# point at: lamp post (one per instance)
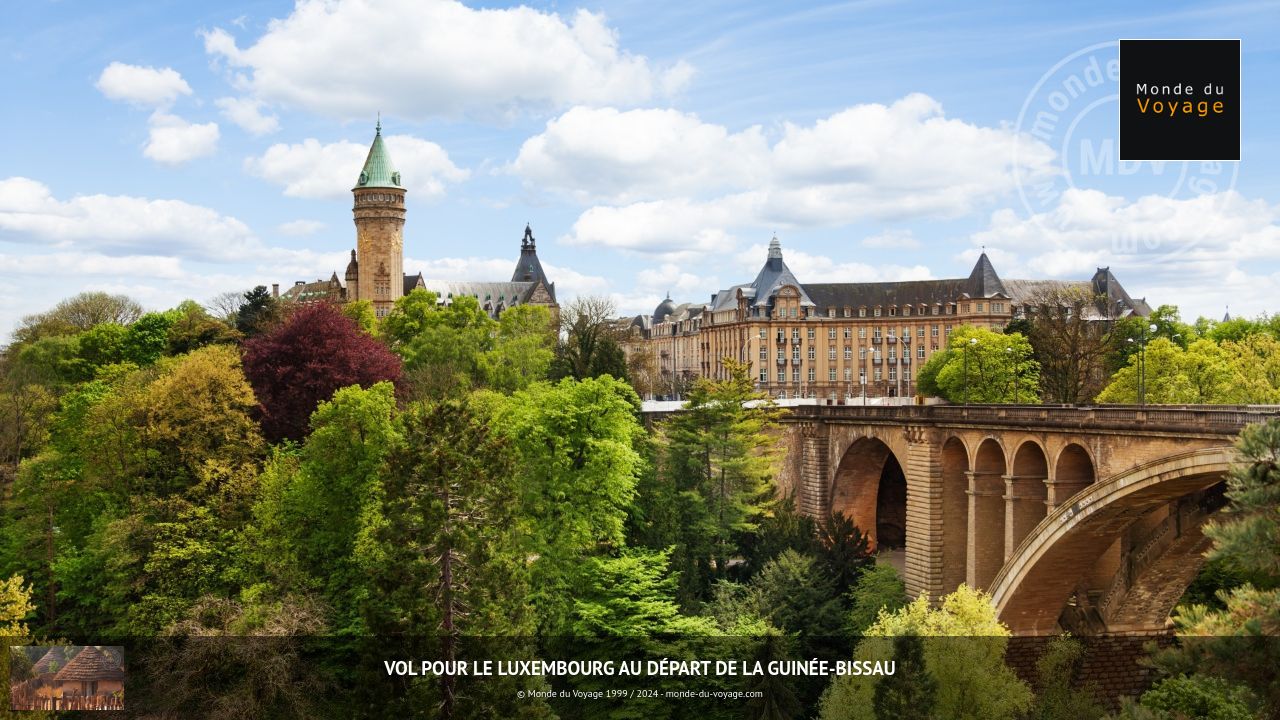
(1013, 374)
(972, 342)
(1142, 362)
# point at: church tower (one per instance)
(378, 265)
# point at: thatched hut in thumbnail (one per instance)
(46, 668)
(91, 672)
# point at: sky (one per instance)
(172, 150)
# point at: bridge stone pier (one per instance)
(1078, 518)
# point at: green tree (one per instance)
(147, 338)
(361, 311)
(910, 691)
(78, 313)
(631, 595)
(193, 327)
(964, 646)
(311, 513)
(257, 312)
(982, 366)
(442, 542)
(1071, 339)
(843, 550)
(1237, 643)
(720, 458)
(878, 589)
(590, 347)
(442, 345)
(1166, 377)
(796, 595)
(1196, 698)
(101, 345)
(1055, 698)
(522, 349)
(15, 606)
(575, 476)
(1255, 367)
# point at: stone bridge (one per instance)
(1079, 518)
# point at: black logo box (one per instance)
(1160, 77)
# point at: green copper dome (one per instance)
(378, 171)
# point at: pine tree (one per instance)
(720, 458)
(910, 691)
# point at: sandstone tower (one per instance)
(376, 270)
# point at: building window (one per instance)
(920, 351)
(933, 331)
(875, 334)
(812, 375)
(831, 312)
(862, 353)
(948, 332)
(831, 333)
(893, 374)
(893, 311)
(848, 373)
(813, 352)
(795, 334)
(862, 376)
(878, 376)
(862, 333)
(877, 312)
(934, 348)
(920, 331)
(764, 375)
(795, 353)
(979, 307)
(764, 334)
(782, 376)
(831, 375)
(764, 353)
(811, 333)
(862, 312)
(997, 307)
(848, 353)
(848, 333)
(831, 353)
(906, 310)
(795, 375)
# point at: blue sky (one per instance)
(170, 150)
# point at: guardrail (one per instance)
(1210, 418)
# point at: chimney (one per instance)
(296, 283)
(275, 289)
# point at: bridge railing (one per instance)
(1211, 418)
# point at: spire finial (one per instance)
(378, 128)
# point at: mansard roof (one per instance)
(885, 294)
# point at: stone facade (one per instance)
(834, 340)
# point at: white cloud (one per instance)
(665, 179)
(95, 264)
(248, 114)
(674, 279)
(142, 85)
(347, 58)
(300, 227)
(313, 170)
(1187, 251)
(174, 141)
(892, 240)
(118, 224)
(619, 157)
(672, 230)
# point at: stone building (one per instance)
(376, 270)
(835, 340)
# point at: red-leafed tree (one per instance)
(300, 363)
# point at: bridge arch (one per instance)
(1033, 587)
(870, 488)
(955, 512)
(1027, 493)
(986, 512)
(1073, 470)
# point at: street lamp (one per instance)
(1142, 362)
(972, 342)
(1013, 375)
